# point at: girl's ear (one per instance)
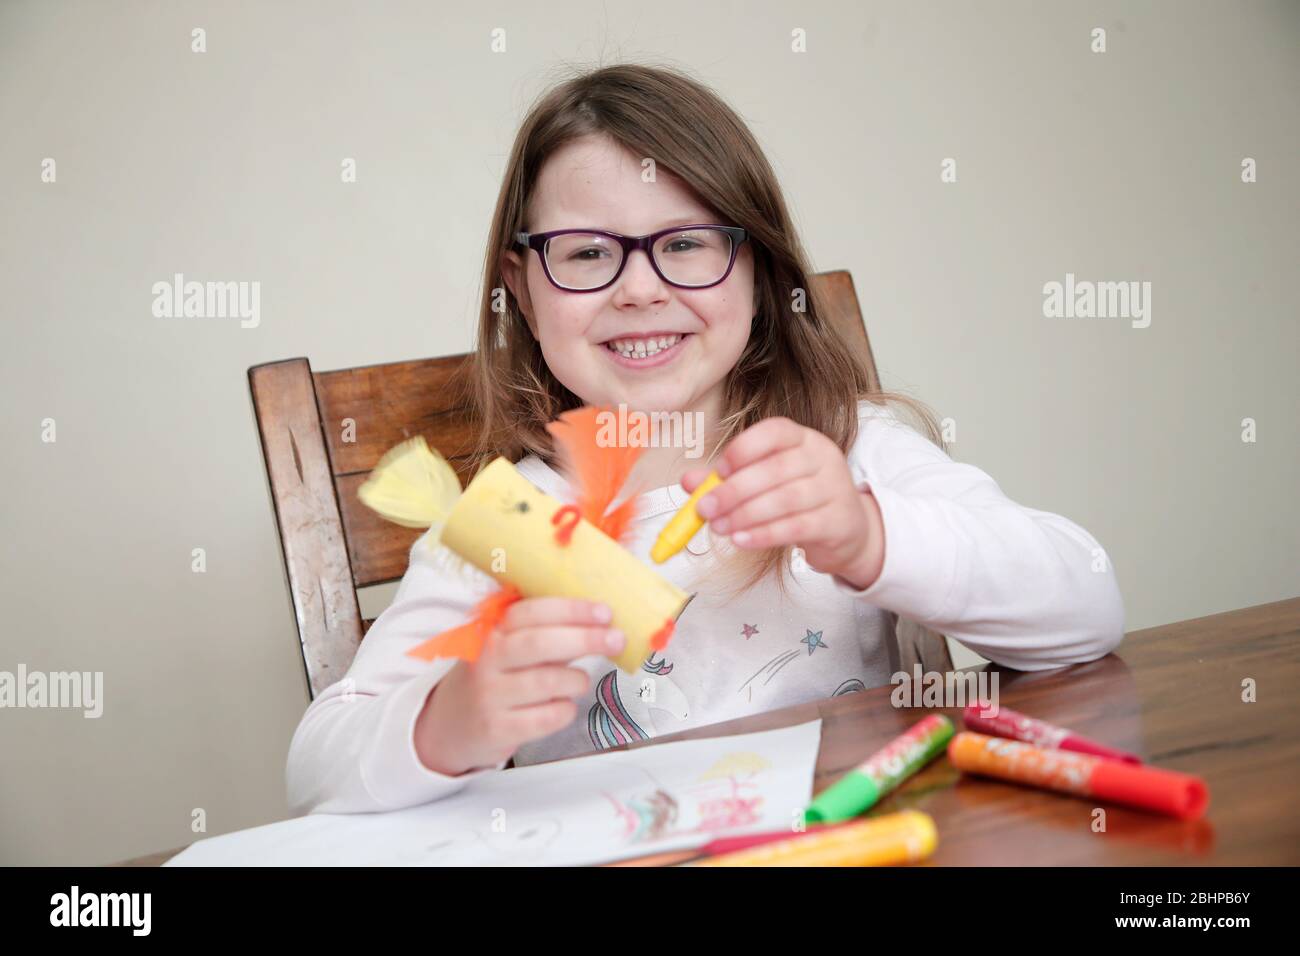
(514, 273)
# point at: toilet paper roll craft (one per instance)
(531, 544)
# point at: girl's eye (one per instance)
(586, 255)
(682, 245)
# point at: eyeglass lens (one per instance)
(690, 257)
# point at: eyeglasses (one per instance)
(588, 260)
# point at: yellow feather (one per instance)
(412, 485)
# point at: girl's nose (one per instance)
(639, 284)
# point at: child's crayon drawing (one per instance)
(593, 809)
(725, 796)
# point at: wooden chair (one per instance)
(322, 433)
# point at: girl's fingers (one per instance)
(793, 529)
(692, 478)
(758, 441)
(536, 685)
(522, 724)
(791, 498)
(754, 480)
(552, 644)
(544, 611)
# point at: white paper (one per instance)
(595, 809)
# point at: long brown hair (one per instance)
(795, 364)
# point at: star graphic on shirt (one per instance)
(750, 630)
(814, 641)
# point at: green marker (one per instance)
(861, 788)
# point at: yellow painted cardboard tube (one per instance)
(503, 526)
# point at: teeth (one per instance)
(643, 348)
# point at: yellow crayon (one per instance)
(679, 531)
(903, 837)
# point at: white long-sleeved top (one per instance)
(1027, 589)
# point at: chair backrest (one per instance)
(322, 433)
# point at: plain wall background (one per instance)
(226, 166)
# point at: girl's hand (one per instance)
(784, 484)
(520, 688)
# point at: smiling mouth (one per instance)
(639, 349)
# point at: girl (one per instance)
(834, 516)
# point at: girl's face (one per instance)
(594, 183)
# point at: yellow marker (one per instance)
(679, 531)
(903, 837)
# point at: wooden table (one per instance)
(1172, 694)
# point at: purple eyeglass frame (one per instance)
(538, 240)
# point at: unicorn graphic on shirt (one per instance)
(622, 714)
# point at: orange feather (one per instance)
(466, 641)
(598, 471)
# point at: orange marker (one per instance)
(1163, 791)
(904, 837)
